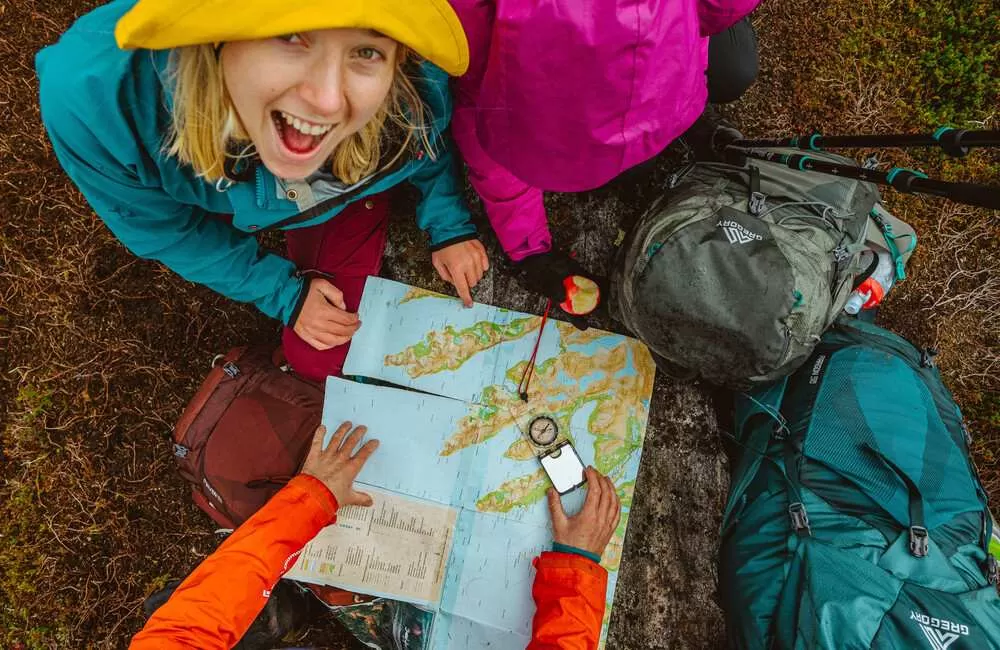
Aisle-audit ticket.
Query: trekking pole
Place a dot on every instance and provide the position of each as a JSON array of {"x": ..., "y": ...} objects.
[
  {"x": 954, "y": 142},
  {"x": 904, "y": 180}
]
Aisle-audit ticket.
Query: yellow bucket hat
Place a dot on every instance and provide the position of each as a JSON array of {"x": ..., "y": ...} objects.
[{"x": 429, "y": 27}]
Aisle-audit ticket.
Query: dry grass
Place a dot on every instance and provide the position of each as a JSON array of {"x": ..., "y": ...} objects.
[
  {"x": 98, "y": 354},
  {"x": 99, "y": 351}
]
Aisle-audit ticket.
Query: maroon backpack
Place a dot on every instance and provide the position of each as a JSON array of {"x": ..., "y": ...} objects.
[{"x": 245, "y": 434}]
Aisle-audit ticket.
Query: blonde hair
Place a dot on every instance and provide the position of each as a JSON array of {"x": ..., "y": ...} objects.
[{"x": 205, "y": 129}]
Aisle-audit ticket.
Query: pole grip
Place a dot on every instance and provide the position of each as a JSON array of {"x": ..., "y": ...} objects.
[
  {"x": 984, "y": 196},
  {"x": 950, "y": 140}
]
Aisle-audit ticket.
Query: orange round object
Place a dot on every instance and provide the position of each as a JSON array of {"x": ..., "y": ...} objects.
[
  {"x": 582, "y": 295},
  {"x": 876, "y": 293}
]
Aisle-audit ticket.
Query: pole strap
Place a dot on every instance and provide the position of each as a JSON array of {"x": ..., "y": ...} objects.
[
  {"x": 950, "y": 140},
  {"x": 901, "y": 178}
]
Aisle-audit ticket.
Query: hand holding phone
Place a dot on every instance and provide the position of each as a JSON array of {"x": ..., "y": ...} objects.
[{"x": 591, "y": 528}]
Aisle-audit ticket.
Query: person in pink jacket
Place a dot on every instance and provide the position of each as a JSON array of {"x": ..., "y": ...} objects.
[{"x": 564, "y": 95}]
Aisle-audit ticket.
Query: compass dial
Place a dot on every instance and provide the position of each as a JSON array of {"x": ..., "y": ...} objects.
[{"x": 543, "y": 430}]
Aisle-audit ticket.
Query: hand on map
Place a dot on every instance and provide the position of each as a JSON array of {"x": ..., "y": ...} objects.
[
  {"x": 463, "y": 265},
  {"x": 591, "y": 528},
  {"x": 324, "y": 321},
  {"x": 337, "y": 466}
]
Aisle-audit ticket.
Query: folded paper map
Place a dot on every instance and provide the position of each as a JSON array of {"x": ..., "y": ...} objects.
[{"x": 453, "y": 447}]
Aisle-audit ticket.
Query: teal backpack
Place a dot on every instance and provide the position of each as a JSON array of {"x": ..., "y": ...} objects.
[{"x": 855, "y": 517}]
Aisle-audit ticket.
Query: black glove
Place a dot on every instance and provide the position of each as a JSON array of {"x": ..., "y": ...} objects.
[
  {"x": 554, "y": 275},
  {"x": 709, "y": 135}
]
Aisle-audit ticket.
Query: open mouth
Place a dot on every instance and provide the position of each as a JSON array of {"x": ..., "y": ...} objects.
[{"x": 300, "y": 137}]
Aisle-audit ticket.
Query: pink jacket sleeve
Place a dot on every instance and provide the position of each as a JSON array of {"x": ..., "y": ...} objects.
[
  {"x": 719, "y": 15},
  {"x": 514, "y": 208}
]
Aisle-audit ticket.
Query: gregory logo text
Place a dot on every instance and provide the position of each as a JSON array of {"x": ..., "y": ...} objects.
[
  {"x": 817, "y": 369},
  {"x": 939, "y": 632},
  {"x": 736, "y": 233}
]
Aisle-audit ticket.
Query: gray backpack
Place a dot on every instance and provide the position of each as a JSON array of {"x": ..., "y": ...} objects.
[{"x": 736, "y": 272}]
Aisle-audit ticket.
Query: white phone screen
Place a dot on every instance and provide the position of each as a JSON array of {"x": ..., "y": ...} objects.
[{"x": 564, "y": 467}]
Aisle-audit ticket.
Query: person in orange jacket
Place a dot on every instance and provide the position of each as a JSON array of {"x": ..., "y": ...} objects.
[{"x": 216, "y": 604}]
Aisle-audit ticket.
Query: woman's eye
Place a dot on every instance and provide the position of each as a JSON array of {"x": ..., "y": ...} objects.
[
  {"x": 369, "y": 54},
  {"x": 293, "y": 39}
]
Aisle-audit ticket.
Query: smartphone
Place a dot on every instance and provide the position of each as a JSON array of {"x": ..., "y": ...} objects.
[{"x": 564, "y": 468}]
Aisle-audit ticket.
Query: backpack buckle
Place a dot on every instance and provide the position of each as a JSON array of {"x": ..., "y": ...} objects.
[
  {"x": 755, "y": 204},
  {"x": 180, "y": 451},
  {"x": 967, "y": 433},
  {"x": 871, "y": 162},
  {"x": 919, "y": 545},
  {"x": 927, "y": 357},
  {"x": 231, "y": 370},
  {"x": 675, "y": 179},
  {"x": 800, "y": 518}
]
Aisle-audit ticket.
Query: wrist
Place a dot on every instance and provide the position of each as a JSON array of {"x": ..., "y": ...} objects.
[
  {"x": 300, "y": 301},
  {"x": 559, "y": 547},
  {"x": 319, "y": 491},
  {"x": 454, "y": 240}
]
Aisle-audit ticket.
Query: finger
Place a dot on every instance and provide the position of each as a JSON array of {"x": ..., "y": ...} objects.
[
  {"x": 313, "y": 341},
  {"x": 338, "y": 436},
  {"x": 332, "y": 294},
  {"x": 329, "y": 329},
  {"x": 594, "y": 489},
  {"x": 483, "y": 257},
  {"x": 614, "y": 504},
  {"x": 472, "y": 278},
  {"x": 462, "y": 287},
  {"x": 336, "y": 341},
  {"x": 364, "y": 453},
  {"x": 326, "y": 340},
  {"x": 305, "y": 333},
  {"x": 474, "y": 273},
  {"x": 556, "y": 509},
  {"x": 316, "y": 447},
  {"x": 443, "y": 271},
  {"x": 360, "y": 499},
  {"x": 330, "y": 316},
  {"x": 352, "y": 440},
  {"x": 602, "y": 504},
  {"x": 614, "y": 518},
  {"x": 615, "y": 501}
]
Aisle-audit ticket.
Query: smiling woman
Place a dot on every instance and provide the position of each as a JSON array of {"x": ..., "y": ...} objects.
[
  {"x": 163, "y": 113},
  {"x": 297, "y": 101}
]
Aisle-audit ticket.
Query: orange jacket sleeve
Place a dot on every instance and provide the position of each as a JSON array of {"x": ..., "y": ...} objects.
[
  {"x": 569, "y": 593},
  {"x": 216, "y": 604}
]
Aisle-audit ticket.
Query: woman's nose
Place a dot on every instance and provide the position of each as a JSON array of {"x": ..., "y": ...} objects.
[{"x": 323, "y": 89}]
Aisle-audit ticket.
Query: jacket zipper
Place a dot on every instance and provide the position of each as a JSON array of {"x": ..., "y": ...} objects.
[{"x": 323, "y": 206}]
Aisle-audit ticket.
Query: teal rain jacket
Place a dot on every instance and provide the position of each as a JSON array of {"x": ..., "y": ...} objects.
[{"x": 107, "y": 111}]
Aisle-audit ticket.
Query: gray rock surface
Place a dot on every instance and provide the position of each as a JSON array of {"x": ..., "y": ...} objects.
[{"x": 666, "y": 595}]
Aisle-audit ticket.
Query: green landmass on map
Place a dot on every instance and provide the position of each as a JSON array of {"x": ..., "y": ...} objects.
[
  {"x": 450, "y": 348},
  {"x": 513, "y": 493}
]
